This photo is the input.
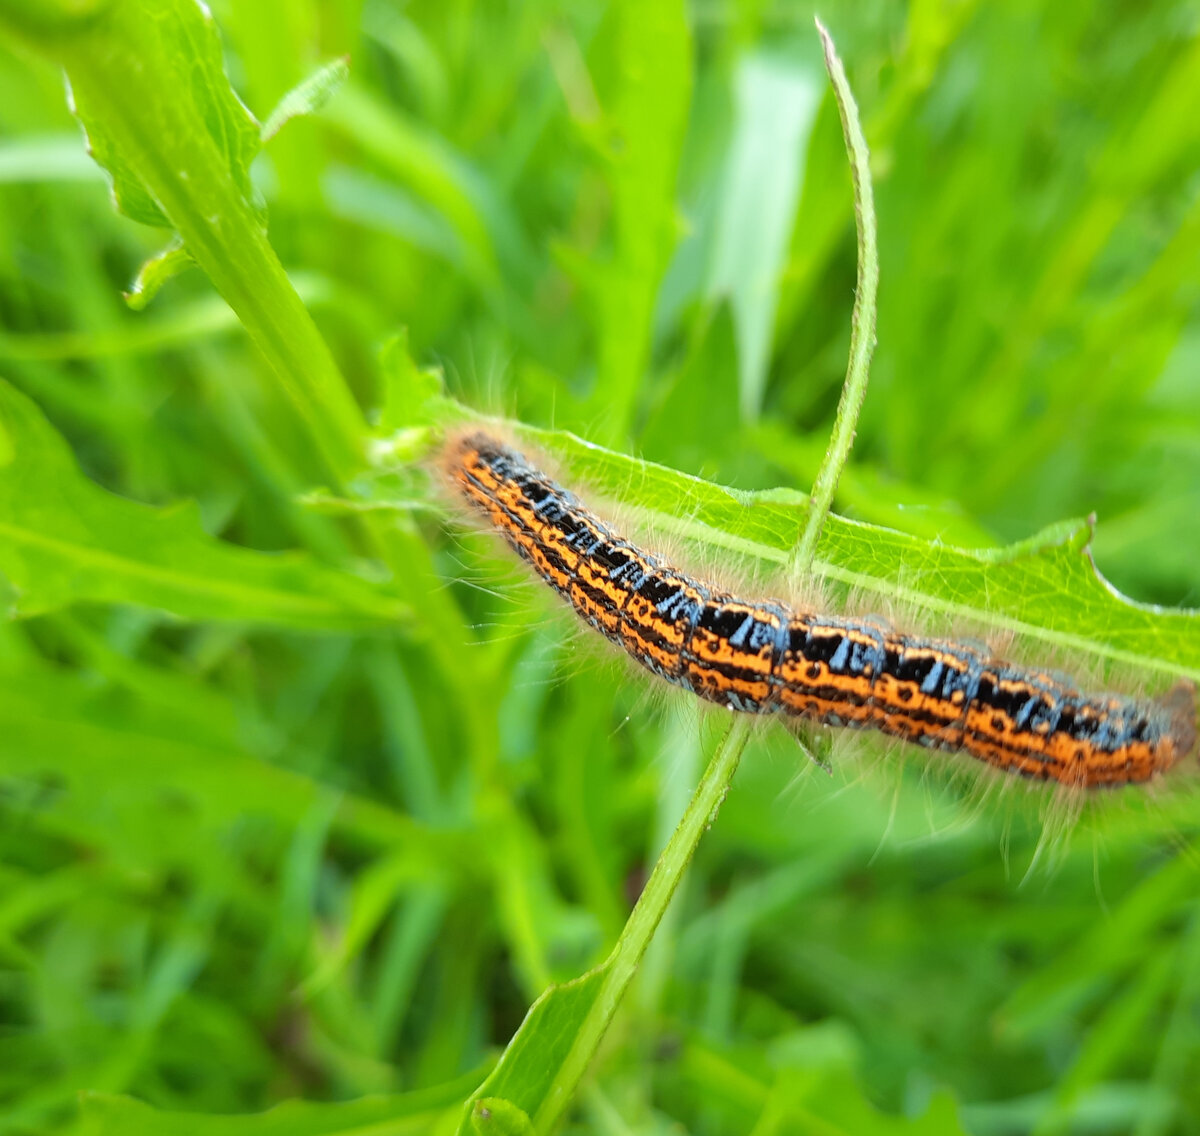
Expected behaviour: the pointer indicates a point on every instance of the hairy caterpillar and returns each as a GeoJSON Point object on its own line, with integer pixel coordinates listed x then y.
{"type": "Point", "coordinates": [761, 656]}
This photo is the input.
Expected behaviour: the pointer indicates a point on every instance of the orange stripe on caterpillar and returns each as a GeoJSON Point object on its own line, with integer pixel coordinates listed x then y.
{"type": "Point", "coordinates": [759, 656]}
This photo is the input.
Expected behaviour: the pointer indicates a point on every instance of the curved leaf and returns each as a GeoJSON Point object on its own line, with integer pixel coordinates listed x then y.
{"type": "Point", "coordinates": [307, 97]}
{"type": "Point", "coordinates": [185, 40]}
{"type": "Point", "coordinates": [396, 1114]}
{"type": "Point", "coordinates": [65, 540]}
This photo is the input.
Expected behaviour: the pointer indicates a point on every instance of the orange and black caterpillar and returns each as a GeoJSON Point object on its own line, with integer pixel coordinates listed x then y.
{"type": "Point", "coordinates": [760, 656]}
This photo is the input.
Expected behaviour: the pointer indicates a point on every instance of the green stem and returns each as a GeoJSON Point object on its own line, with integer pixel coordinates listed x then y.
{"type": "Point", "coordinates": [648, 912]}
{"type": "Point", "coordinates": [862, 326]}
{"type": "Point", "coordinates": [113, 65]}
{"type": "Point", "coordinates": [117, 69]}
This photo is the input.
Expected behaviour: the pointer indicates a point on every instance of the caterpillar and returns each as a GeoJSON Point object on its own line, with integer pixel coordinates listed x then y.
{"type": "Point", "coordinates": [763, 657]}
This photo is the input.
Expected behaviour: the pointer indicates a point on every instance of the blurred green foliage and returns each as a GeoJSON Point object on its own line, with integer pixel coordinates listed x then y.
{"type": "Point", "coordinates": [278, 823]}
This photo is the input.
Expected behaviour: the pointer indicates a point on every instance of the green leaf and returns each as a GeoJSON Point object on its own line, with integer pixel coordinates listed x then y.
{"type": "Point", "coordinates": [155, 272]}
{"type": "Point", "coordinates": [406, 387]}
{"type": "Point", "coordinates": [1045, 590]}
{"type": "Point", "coordinates": [105, 745]}
{"type": "Point", "coordinates": [776, 105]}
{"type": "Point", "coordinates": [307, 97]}
{"type": "Point", "coordinates": [148, 84]}
{"type": "Point", "coordinates": [65, 540]}
{"type": "Point", "coordinates": [544, 1063]}
{"type": "Point", "coordinates": [182, 37]}
{"type": "Point", "coordinates": [396, 1115]}
{"type": "Point", "coordinates": [391, 485]}
{"type": "Point", "coordinates": [528, 1071]}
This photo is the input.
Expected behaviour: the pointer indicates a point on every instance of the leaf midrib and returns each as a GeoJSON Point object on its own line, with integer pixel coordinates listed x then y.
{"type": "Point", "coordinates": [184, 583]}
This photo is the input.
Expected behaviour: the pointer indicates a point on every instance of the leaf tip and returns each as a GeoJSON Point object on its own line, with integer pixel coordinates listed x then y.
{"type": "Point", "coordinates": [826, 38]}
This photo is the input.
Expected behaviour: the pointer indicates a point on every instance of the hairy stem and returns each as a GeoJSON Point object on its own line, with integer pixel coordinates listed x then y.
{"type": "Point", "coordinates": [862, 327]}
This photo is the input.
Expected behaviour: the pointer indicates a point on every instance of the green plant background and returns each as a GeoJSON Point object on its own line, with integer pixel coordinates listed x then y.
{"type": "Point", "coordinates": [303, 799]}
